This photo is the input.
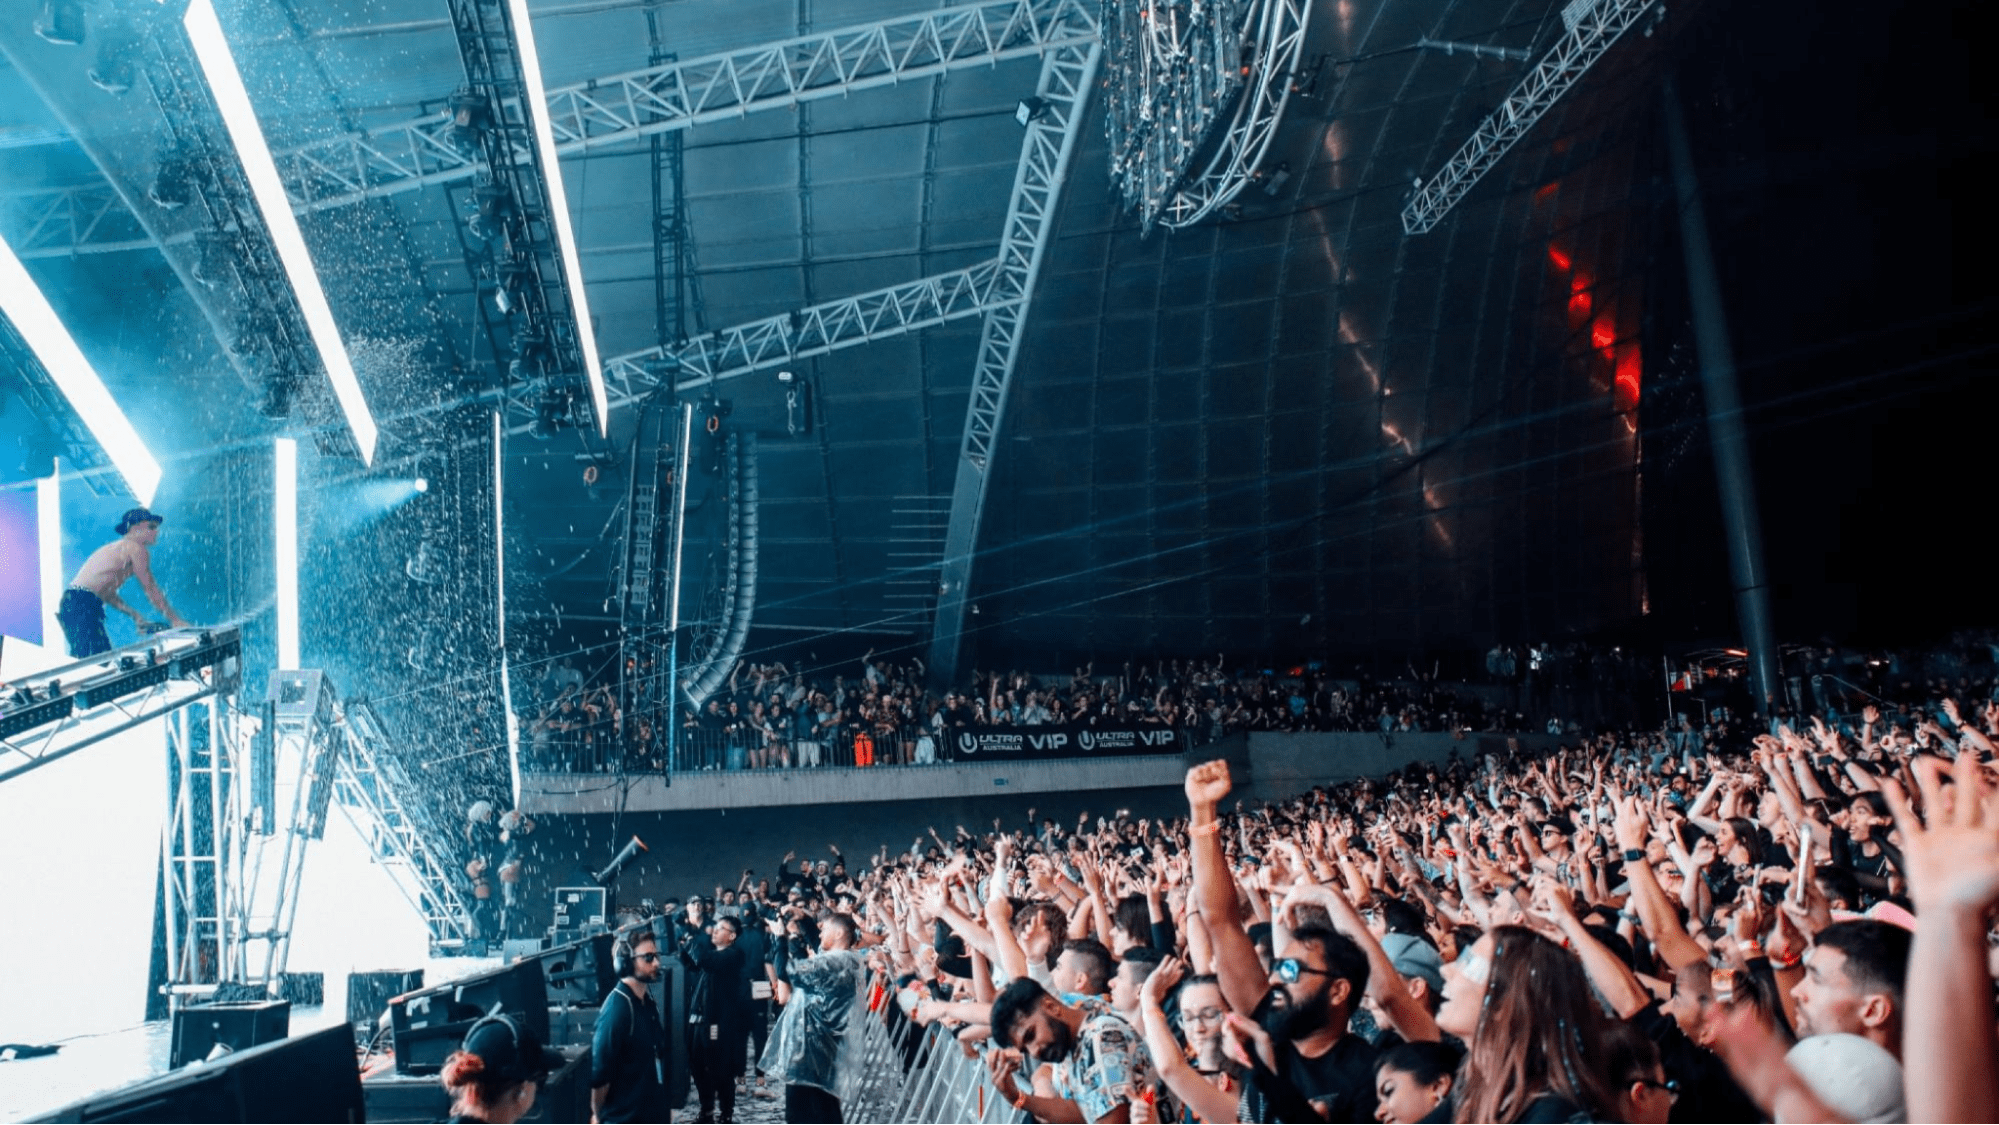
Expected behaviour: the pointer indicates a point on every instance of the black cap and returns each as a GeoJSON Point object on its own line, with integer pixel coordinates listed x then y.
{"type": "Point", "coordinates": [511, 1053]}
{"type": "Point", "coordinates": [135, 517]}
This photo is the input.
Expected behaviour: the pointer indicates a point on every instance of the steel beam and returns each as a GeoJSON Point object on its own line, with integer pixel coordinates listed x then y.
{"type": "Point", "coordinates": [1067, 78]}
{"type": "Point", "coordinates": [69, 221]}
{"type": "Point", "coordinates": [720, 87]}
{"type": "Point", "coordinates": [777, 340]}
{"type": "Point", "coordinates": [1592, 27]}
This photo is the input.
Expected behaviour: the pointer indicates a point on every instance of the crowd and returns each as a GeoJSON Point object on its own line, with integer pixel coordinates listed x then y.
{"type": "Point", "coordinates": [776, 717]}
{"type": "Point", "coordinates": [1761, 921]}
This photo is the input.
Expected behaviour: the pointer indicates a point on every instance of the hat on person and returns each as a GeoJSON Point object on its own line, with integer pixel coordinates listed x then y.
{"type": "Point", "coordinates": [511, 1053]}
{"type": "Point", "coordinates": [1414, 957]}
{"type": "Point", "coordinates": [136, 517]}
{"type": "Point", "coordinates": [1855, 1077]}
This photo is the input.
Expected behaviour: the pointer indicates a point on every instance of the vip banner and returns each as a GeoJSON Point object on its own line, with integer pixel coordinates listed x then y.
{"type": "Point", "coordinates": [975, 744]}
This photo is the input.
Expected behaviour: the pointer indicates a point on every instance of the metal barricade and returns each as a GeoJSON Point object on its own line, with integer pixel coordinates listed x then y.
{"type": "Point", "coordinates": [919, 1074]}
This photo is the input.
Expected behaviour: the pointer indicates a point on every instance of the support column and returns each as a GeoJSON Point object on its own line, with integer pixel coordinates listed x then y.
{"type": "Point", "coordinates": [1734, 479]}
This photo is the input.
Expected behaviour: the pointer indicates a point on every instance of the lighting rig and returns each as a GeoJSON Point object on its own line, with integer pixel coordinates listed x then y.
{"type": "Point", "coordinates": [56, 713]}
{"type": "Point", "coordinates": [516, 243]}
{"type": "Point", "coordinates": [1176, 71]}
{"type": "Point", "coordinates": [237, 259]}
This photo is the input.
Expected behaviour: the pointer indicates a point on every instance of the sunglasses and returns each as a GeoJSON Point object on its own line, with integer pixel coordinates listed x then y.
{"type": "Point", "coordinates": [645, 958]}
{"type": "Point", "coordinates": [1290, 969]}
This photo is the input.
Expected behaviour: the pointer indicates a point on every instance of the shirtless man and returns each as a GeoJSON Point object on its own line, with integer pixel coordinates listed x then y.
{"type": "Point", "coordinates": [96, 586]}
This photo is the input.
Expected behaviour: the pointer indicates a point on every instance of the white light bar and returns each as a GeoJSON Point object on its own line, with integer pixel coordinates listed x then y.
{"type": "Point", "coordinates": [500, 579]}
{"type": "Point", "coordinates": [500, 524]}
{"type": "Point", "coordinates": [225, 82]}
{"type": "Point", "coordinates": [48, 532]}
{"type": "Point", "coordinates": [29, 311]}
{"type": "Point", "coordinates": [285, 510]}
{"type": "Point", "coordinates": [558, 207]}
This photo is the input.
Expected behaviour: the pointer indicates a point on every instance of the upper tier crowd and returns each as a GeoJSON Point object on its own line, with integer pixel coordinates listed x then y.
{"type": "Point", "coordinates": [1761, 921]}
{"type": "Point", "coordinates": [773, 717]}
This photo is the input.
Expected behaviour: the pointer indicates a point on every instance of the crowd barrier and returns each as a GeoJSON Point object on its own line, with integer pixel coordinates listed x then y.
{"type": "Point", "coordinates": [909, 1073]}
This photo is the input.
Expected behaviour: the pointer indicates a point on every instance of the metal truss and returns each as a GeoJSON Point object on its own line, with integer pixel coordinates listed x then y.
{"type": "Point", "coordinates": [1280, 42]}
{"type": "Point", "coordinates": [366, 784]}
{"type": "Point", "coordinates": [1067, 78]}
{"type": "Point", "coordinates": [801, 334]}
{"type": "Point", "coordinates": [65, 222]}
{"type": "Point", "coordinates": [1593, 26]}
{"type": "Point", "coordinates": [676, 95]}
{"type": "Point", "coordinates": [54, 714]}
{"type": "Point", "coordinates": [199, 847]}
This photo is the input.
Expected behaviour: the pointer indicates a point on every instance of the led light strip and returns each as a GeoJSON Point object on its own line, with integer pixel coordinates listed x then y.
{"type": "Point", "coordinates": [29, 311]}
{"type": "Point", "coordinates": [48, 530]}
{"type": "Point", "coordinates": [286, 521]}
{"type": "Point", "coordinates": [558, 206]}
{"type": "Point", "coordinates": [500, 580]}
{"type": "Point", "coordinates": [225, 82]}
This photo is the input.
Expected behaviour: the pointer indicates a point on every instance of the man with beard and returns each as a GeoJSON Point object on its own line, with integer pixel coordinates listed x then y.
{"type": "Point", "coordinates": [1303, 1003]}
{"type": "Point", "coordinates": [1098, 1062]}
{"type": "Point", "coordinates": [628, 1050]}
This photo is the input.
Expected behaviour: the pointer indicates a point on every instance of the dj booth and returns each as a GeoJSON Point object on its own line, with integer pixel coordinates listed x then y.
{"type": "Point", "coordinates": [383, 1064]}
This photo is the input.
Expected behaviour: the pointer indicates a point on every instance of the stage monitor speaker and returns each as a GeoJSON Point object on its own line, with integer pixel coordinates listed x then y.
{"type": "Point", "coordinates": [313, 1078]}
{"type": "Point", "coordinates": [430, 1024]}
{"type": "Point", "coordinates": [368, 994]}
{"type": "Point", "coordinates": [579, 974]}
{"type": "Point", "coordinates": [205, 1031]}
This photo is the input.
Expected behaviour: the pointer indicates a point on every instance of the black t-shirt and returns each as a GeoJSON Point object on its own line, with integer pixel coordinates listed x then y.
{"type": "Point", "coordinates": [628, 1053]}
{"type": "Point", "coordinates": [1338, 1085]}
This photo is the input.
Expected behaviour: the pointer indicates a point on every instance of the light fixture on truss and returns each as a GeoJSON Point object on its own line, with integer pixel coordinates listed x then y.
{"type": "Point", "coordinates": [1195, 89]}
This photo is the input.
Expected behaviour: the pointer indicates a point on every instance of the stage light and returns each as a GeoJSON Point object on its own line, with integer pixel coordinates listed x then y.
{"type": "Point", "coordinates": [39, 327]}
{"type": "Point", "coordinates": [551, 414]}
{"type": "Point", "coordinates": [426, 566]}
{"type": "Point", "coordinates": [61, 22]}
{"type": "Point", "coordinates": [1030, 109]}
{"type": "Point", "coordinates": [117, 62]}
{"type": "Point", "coordinates": [225, 82]}
{"type": "Point", "coordinates": [421, 484]}
{"type": "Point", "coordinates": [172, 185]}
{"type": "Point", "coordinates": [470, 115]}
{"type": "Point", "coordinates": [286, 509]}
{"type": "Point", "coordinates": [558, 205]}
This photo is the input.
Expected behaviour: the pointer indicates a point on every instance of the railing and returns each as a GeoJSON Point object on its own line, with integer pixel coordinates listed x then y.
{"type": "Point", "coordinates": [919, 1074]}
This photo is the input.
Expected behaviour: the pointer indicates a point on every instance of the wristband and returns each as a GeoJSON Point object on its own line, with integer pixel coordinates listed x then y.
{"type": "Point", "coordinates": [1750, 948]}
{"type": "Point", "coordinates": [1634, 855]}
{"type": "Point", "coordinates": [1018, 1100]}
{"type": "Point", "coordinates": [1207, 829]}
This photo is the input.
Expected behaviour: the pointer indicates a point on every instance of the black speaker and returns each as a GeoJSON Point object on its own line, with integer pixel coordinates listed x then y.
{"type": "Point", "coordinates": [581, 973]}
{"type": "Point", "coordinates": [368, 994]}
{"type": "Point", "coordinates": [430, 1024]}
{"type": "Point", "coordinates": [201, 1028]}
{"type": "Point", "coordinates": [311, 1078]}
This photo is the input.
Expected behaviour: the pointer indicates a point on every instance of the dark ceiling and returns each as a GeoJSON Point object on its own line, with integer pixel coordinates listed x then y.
{"type": "Point", "coordinates": [1290, 429]}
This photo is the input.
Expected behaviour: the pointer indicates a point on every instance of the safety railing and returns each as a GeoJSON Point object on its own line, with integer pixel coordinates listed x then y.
{"type": "Point", "coordinates": [907, 1072]}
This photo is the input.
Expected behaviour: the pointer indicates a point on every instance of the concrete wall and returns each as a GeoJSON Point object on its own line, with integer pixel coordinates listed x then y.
{"type": "Point", "coordinates": [722, 789]}
{"type": "Point", "coordinates": [705, 828]}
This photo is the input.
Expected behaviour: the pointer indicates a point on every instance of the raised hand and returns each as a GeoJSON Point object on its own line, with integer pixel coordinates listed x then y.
{"type": "Point", "coordinates": [1950, 855]}
{"type": "Point", "coordinates": [1208, 784]}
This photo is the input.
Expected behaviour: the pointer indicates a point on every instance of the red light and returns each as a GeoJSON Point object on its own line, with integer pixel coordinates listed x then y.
{"type": "Point", "coordinates": [1603, 334]}
{"type": "Point", "coordinates": [1560, 259]}
{"type": "Point", "coordinates": [1546, 191]}
{"type": "Point", "coordinates": [1630, 374]}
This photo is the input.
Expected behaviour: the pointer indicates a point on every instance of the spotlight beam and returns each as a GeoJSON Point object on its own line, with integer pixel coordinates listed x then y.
{"type": "Point", "coordinates": [558, 208]}
{"type": "Point", "coordinates": [239, 117]}
{"type": "Point", "coordinates": [35, 321]}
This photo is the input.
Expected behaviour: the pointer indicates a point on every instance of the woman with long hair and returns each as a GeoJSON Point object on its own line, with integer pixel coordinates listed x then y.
{"type": "Point", "coordinates": [1532, 1030]}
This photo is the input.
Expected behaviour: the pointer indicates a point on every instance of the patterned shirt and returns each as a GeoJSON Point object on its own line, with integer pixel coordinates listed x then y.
{"type": "Point", "coordinates": [1109, 1064]}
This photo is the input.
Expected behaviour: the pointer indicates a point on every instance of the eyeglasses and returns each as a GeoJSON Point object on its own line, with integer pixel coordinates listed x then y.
{"type": "Point", "coordinates": [645, 957]}
{"type": "Point", "coordinates": [1290, 969]}
{"type": "Point", "coordinates": [1670, 1087]}
{"type": "Point", "coordinates": [1203, 1015]}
